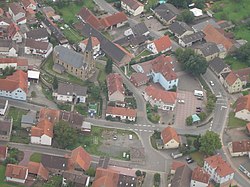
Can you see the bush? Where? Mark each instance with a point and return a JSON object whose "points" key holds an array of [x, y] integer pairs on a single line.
{"points": [[157, 179], [202, 116], [33, 94], [189, 120]]}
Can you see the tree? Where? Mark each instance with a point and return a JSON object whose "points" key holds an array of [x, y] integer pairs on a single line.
{"points": [[210, 142], [197, 142], [138, 173], [8, 70], [202, 116], [242, 54], [33, 94], [189, 120], [187, 16], [55, 83], [108, 67], [157, 179], [91, 172], [65, 136], [180, 3], [94, 92]]}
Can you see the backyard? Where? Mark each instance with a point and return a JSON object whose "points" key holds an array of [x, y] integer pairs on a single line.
{"points": [[235, 122]]}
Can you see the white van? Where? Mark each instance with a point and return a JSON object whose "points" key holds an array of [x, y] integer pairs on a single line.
{"points": [[198, 93]]}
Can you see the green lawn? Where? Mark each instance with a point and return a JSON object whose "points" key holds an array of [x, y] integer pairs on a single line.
{"points": [[81, 109], [235, 122], [2, 178], [102, 74], [36, 157], [66, 107], [198, 157], [69, 12], [242, 32], [151, 3], [234, 63], [142, 54], [72, 35], [16, 114]]}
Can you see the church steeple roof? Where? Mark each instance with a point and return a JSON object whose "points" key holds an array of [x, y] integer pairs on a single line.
{"points": [[89, 45]]}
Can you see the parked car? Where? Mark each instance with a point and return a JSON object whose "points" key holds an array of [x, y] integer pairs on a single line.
{"points": [[211, 83], [190, 161], [200, 98], [115, 137], [181, 101], [188, 158], [198, 108], [150, 17]]}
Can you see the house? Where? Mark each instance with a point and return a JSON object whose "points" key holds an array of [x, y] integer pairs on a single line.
{"points": [[196, 12], [180, 29], [29, 4], [16, 173], [74, 119], [15, 86], [176, 164], [95, 45], [209, 51], [86, 127], [51, 115], [234, 81], [166, 13], [76, 64], [80, 159], [239, 148], [14, 33], [164, 100], [162, 45], [28, 120], [68, 92], [5, 129], [201, 25], [39, 48], [42, 133], [189, 40], [119, 55], [137, 30], [39, 34], [219, 67], [133, 7], [3, 107], [86, 16], [121, 113], [8, 48], [76, 178], [17, 13], [242, 110], [170, 138], [225, 25], [116, 20], [55, 164], [248, 128], [139, 79], [33, 76], [218, 169], [17, 63], [3, 152], [215, 35], [5, 22], [38, 170], [199, 178], [116, 91], [182, 177]]}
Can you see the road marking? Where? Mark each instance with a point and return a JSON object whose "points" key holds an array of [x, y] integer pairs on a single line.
{"points": [[144, 125], [150, 131], [153, 125], [130, 129], [140, 130], [145, 130], [139, 125], [135, 124], [149, 125], [136, 129]]}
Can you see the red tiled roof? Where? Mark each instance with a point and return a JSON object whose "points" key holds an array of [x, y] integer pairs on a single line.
{"points": [[50, 114], [26, 3], [16, 171], [105, 178], [161, 95], [114, 19], [241, 146], [243, 103], [176, 164], [162, 43], [214, 35], [16, 8], [121, 111], [38, 169], [231, 78], [222, 167], [124, 50], [200, 175], [244, 74], [19, 79], [138, 78], [81, 157], [90, 18], [168, 134], [42, 127], [18, 61], [3, 152], [115, 83], [12, 30], [94, 40], [248, 127], [133, 4]]}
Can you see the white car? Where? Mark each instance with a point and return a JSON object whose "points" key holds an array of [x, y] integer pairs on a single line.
{"points": [[211, 83], [181, 101], [149, 17]]}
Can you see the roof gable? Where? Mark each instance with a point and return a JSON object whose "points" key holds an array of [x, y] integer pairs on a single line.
{"points": [[243, 103], [169, 134], [133, 4], [162, 43], [81, 157], [115, 83]]}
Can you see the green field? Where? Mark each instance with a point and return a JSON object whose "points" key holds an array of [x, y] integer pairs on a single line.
{"points": [[72, 35], [36, 157], [234, 63]]}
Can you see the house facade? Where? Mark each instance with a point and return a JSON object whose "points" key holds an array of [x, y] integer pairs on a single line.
{"points": [[242, 110], [133, 7], [219, 170], [17, 63], [239, 148], [116, 91], [29, 4], [8, 48], [121, 113], [180, 29], [42, 133], [17, 13], [13, 33], [33, 47], [170, 138], [199, 178]]}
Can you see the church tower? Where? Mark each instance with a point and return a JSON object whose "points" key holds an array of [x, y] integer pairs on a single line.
{"points": [[88, 56]]}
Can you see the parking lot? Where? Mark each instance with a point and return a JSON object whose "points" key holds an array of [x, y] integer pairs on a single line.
{"points": [[183, 110]]}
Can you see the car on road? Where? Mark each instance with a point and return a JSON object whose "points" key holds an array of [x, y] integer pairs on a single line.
{"points": [[198, 108], [181, 101], [150, 17], [114, 137], [200, 98], [211, 83], [188, 158], [190, 161]]}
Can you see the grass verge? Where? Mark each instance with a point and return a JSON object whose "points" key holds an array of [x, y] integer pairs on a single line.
{"points": [[36, 157], [235, 122]]}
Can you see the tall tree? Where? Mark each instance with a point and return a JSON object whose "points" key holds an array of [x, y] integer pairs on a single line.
{"points": [[55, 83], [65, 136], [108, 67], [210, 142], [187, 16]]}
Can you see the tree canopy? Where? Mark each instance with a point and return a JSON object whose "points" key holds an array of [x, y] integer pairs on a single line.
{"points": [[210, 142], [108, 67], [243, 54], [193, 63], [55, 83], [187, 16], [65, 136]]}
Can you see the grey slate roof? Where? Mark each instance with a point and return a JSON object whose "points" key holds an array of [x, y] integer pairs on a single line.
{"points": [[37, 33], [218, 65], [179, 28], [166, 11], [193, 37], [200, 26], [70, 89], [29, 118], [208, 49], [55, 162], [70, 57], [139, 29], [5, 43], [182, 177]]}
